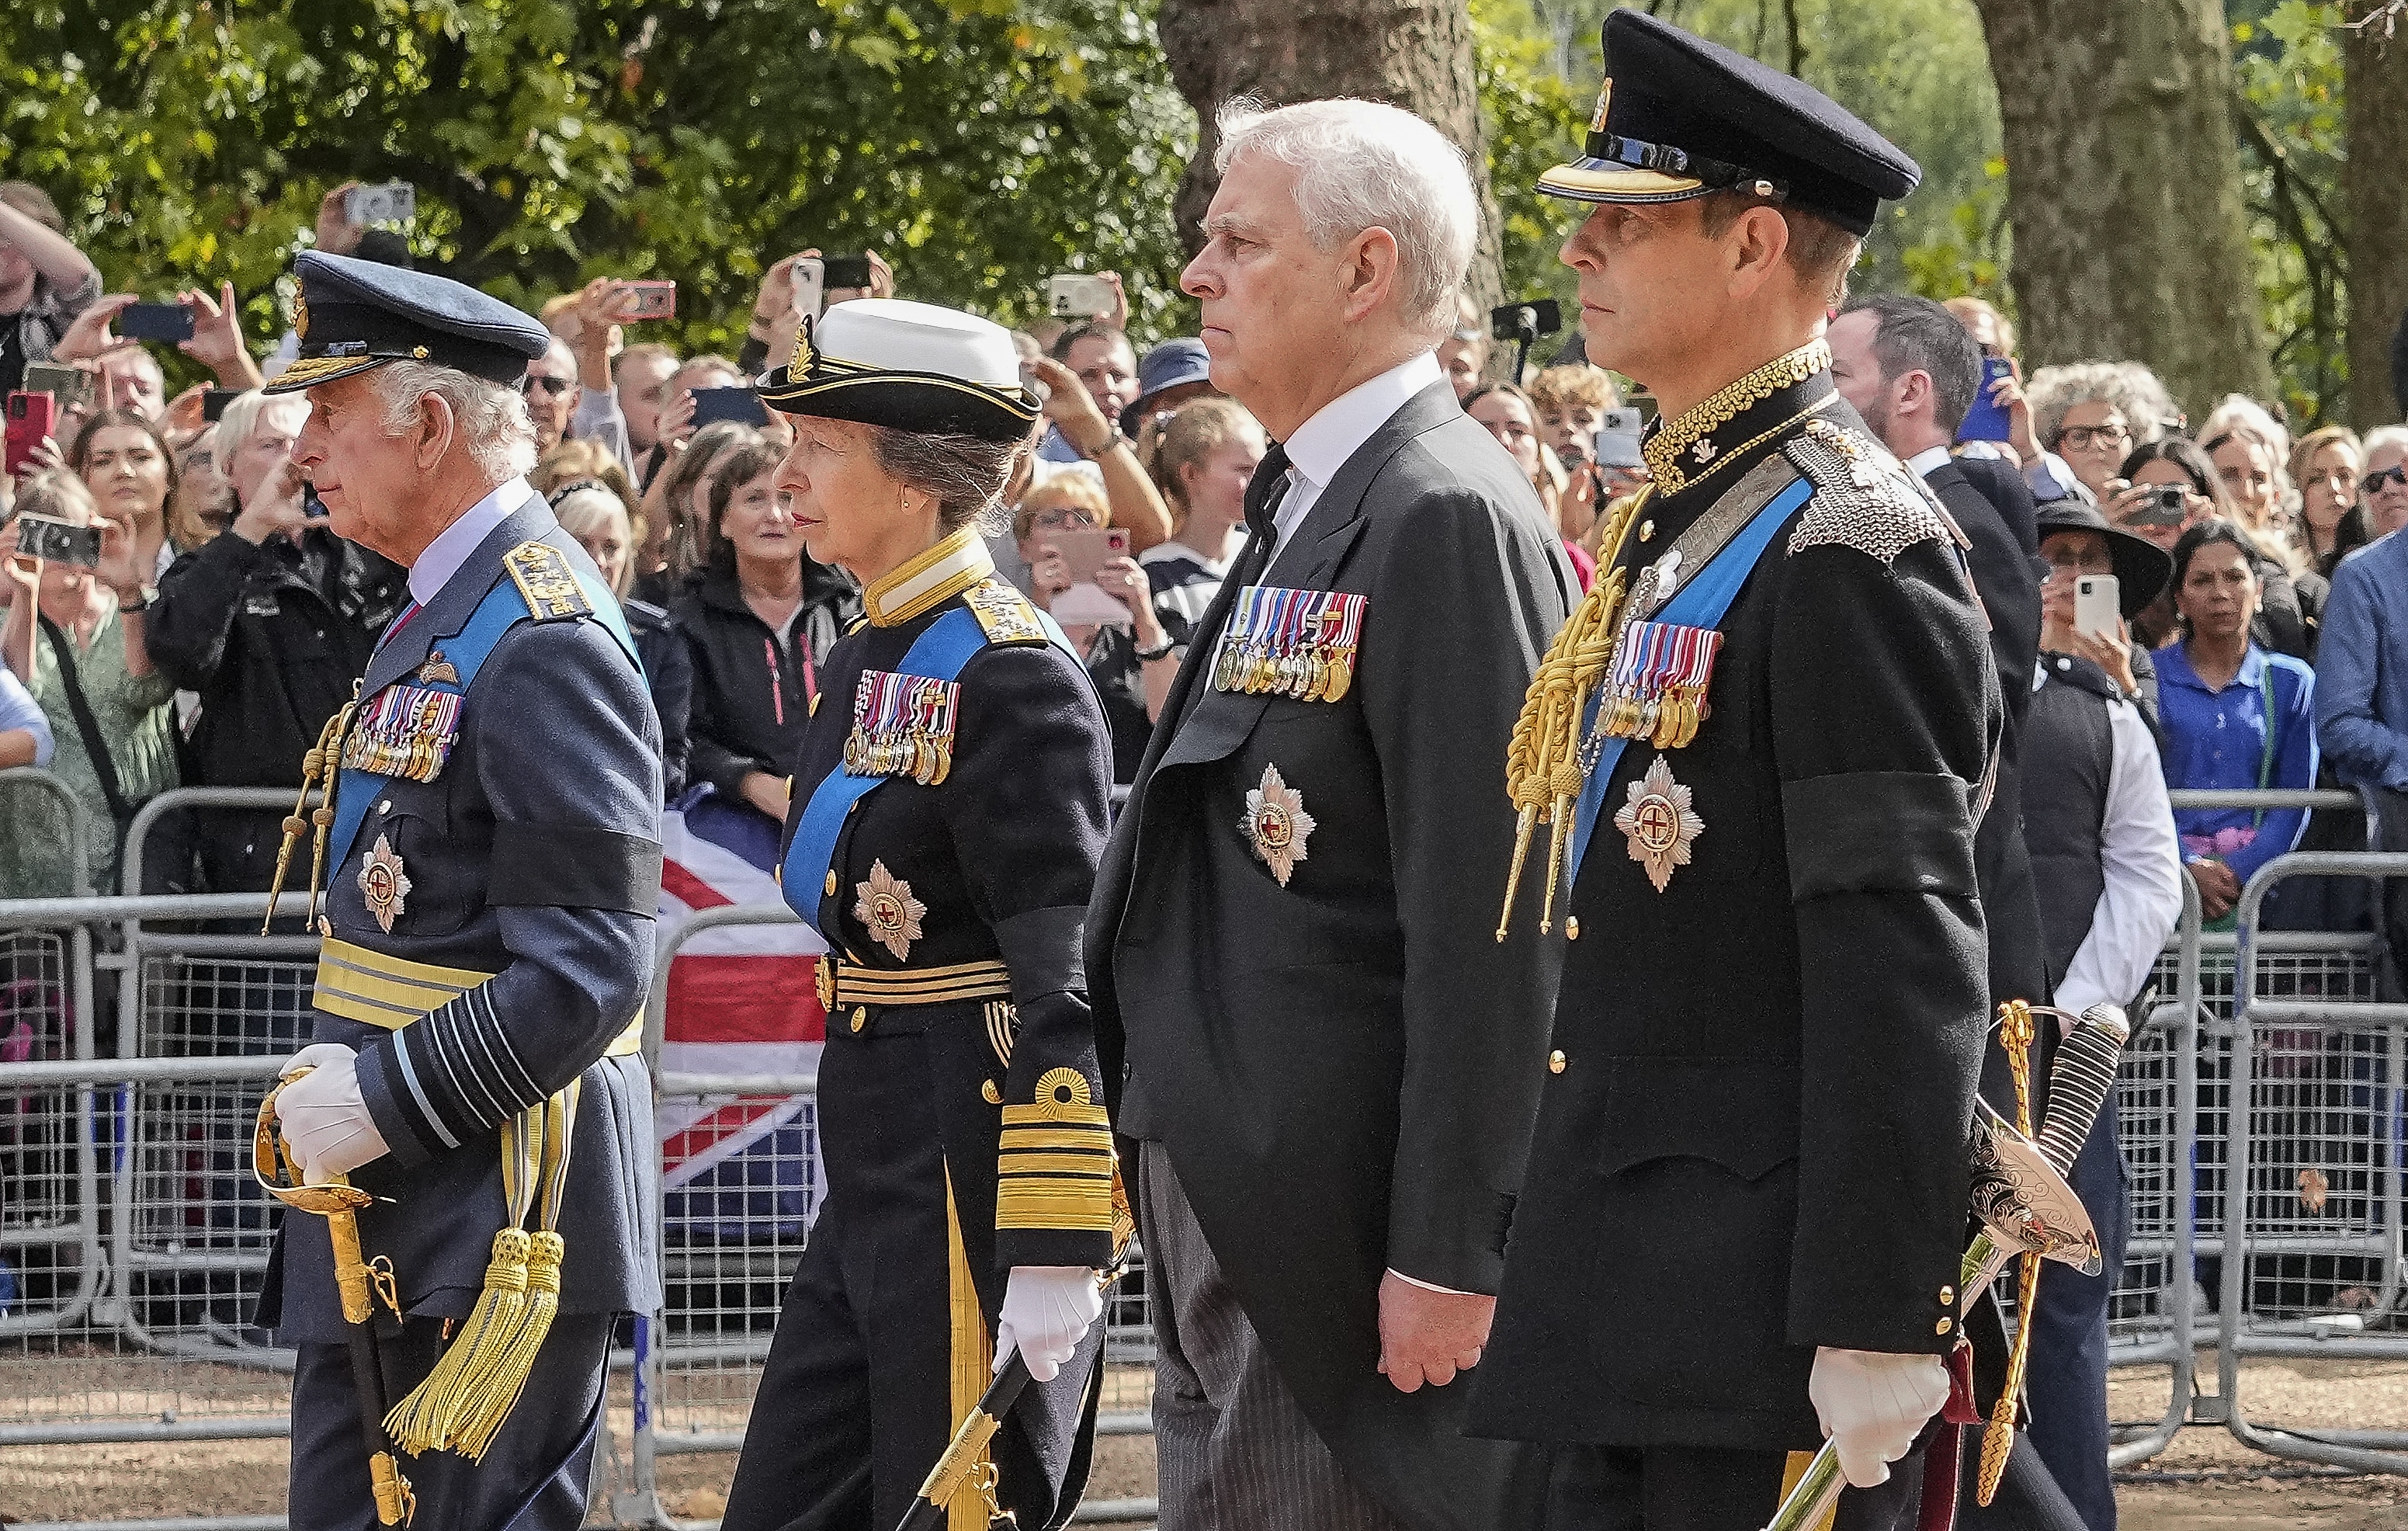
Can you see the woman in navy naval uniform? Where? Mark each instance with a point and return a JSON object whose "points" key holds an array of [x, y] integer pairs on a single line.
{"points": [[949, 807]]}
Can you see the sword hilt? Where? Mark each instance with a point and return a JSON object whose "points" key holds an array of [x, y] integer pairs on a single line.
{"points": [[2078, 1082]]}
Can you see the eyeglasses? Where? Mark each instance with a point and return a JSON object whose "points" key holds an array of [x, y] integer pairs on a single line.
{"points": [[1061, 520], [2376, 482], [553, 386], [2084, 437]]}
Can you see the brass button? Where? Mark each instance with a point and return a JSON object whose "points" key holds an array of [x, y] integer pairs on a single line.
{"points": [[1556, 1062], [1947, 1295], [1646, 529], [1943, 1326], [1571, 927], [385, 806], [830, 884], [989, 1093], [860, 1017]]}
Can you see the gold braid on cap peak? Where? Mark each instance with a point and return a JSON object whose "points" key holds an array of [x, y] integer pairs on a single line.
{"points": [[1543, 766]]}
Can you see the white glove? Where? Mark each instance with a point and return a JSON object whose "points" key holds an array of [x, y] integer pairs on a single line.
{"points": [[1872, 1405], [1047, 1310], [322, 1117]]}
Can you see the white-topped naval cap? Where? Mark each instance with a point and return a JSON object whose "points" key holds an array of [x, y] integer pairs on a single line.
{"points": [[896, 335]]}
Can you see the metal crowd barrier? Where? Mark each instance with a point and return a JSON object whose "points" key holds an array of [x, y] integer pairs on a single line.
{"points": [[131, 1246]]}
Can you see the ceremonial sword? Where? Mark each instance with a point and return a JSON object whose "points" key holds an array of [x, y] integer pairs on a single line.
{"points": [[2021, 1196]]}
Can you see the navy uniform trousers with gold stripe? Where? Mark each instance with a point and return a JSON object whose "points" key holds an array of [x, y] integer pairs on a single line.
{"points": [[489, 941], [960, 1109]]}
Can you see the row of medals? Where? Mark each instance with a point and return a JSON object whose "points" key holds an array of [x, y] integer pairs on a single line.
{"points": [[1318, 673], [924, 758], [1667, 720]]}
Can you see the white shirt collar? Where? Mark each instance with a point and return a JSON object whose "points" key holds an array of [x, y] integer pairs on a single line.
{"points": [[451, 546], [1320, 445], [1922, 462]]}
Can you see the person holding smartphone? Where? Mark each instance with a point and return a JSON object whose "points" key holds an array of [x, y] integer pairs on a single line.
{"points": [[45, 281], [1132, 662]]}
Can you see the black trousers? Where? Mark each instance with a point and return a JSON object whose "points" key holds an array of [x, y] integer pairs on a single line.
{"points": [[1697, 1488], [535, 1476]]}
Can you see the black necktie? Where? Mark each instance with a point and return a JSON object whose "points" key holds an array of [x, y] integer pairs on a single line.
{"points": [[1268, 487]]}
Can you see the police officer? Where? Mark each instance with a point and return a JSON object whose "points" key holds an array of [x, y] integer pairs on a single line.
{"points": [[492, 866], [1763, 740], [949, 806]]}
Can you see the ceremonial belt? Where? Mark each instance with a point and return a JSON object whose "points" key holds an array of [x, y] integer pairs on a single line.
{"points": [[376, 989], [1701, 600], [842, 983]]}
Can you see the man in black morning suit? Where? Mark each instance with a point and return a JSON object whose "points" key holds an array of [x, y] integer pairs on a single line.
{"points": [[1330, 1059], [1746, 1196]]}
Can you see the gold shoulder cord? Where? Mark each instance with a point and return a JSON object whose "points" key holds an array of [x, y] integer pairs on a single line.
{"points": [[2015, 1035], [1542, 772], [322, 760]]}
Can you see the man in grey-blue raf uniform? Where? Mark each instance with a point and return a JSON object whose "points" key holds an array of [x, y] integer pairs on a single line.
{"points": [[490, 864]]}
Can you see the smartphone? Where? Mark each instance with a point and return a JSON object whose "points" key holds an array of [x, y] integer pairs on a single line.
{"points": [[648, 300], [1617, 439], [1542, 316], [739, 403], [810, 285], [2097, 602], [57, 541], [155, 321], [847, 271], [1086, 551], [395, 202], [31, 417], [213, 403], [70, 385], [1070, 295], [1987, 421]]}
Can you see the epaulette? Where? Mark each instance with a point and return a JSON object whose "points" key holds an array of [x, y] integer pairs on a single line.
{"points": [[546, 583], [1008, 616], [1862, 498]]}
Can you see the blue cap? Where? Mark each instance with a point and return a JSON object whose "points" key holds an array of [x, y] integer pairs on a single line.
{"points": [[353, 315], [1680, 117], [1173, 364]]}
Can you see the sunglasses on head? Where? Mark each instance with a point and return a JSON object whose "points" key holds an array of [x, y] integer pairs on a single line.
{"points": [[2382, 477]]}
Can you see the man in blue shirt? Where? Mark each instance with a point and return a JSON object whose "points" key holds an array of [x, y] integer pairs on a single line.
{"points": [[2362, 693]]}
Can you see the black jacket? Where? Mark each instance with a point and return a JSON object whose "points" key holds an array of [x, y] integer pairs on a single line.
{"points": [[752, 693], [271, 637], [668, 671]]}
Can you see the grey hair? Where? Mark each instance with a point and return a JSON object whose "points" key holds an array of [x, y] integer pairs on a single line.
{"points": [[2130, 387], [491, 418], [964, 474], [2384, 435], [241, 417], [1364, 165]]}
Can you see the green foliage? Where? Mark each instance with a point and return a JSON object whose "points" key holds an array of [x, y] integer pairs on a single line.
{"points": [[2287, 60], [979, 145], [1531, 121]]}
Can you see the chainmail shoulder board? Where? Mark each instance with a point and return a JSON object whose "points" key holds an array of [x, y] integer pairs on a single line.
{"points": [[1862, 497]]}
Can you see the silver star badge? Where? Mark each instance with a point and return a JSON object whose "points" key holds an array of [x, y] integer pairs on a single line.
{"points": [[1276, 825], [1659, 823]]}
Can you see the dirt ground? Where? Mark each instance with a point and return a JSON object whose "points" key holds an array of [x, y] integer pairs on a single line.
{"points": [[2203, 1480]]}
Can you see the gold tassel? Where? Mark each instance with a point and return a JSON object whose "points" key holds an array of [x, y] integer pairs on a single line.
{"points": [[1999, 1438], [1542, 771], [490, 1400], [430, 1419]]}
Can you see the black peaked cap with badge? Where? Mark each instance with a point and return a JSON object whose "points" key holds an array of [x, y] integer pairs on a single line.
{"points": [[353, 315], [1679, 116]]}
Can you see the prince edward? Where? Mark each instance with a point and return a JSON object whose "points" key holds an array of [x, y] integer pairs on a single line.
{"points": [[1751, 767]]}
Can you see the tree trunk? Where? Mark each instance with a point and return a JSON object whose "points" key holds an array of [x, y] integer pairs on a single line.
{"points": [[2376, 186], [1411, 53], [2132, 238]]}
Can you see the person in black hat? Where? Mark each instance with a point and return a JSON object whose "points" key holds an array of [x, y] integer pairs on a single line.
{"points": [[950, 799], [489, 857], [1749, 773], [2108, 869]]}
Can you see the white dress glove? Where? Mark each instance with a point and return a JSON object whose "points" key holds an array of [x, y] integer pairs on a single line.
{"points": [[1047, 1310], [1872, 1405], [321, 1116]]}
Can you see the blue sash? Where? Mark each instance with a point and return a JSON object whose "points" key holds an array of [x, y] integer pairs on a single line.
{"points": [[502, 609], [937, 654], [1700, 603]]}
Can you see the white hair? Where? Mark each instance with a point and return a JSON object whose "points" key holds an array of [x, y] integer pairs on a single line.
{"points": [[2241, 415], [241, 417], [1363, 165], [2384, 435], [491, 418]]}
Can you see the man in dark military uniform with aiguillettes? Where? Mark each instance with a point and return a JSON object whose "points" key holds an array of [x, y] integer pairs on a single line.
{"points": [[491, 862], [1751, 771]]}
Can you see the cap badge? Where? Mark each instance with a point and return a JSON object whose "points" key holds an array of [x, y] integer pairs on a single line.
{"points": [[798, 361], [1604, 97], [884, 904], [301, 316], [1659, 823], [383, 884], [1276, 825]]}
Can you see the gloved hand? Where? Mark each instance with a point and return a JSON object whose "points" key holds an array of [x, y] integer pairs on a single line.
{"points": [[1046, 1312], [322, 1117], [1872, 1405]]}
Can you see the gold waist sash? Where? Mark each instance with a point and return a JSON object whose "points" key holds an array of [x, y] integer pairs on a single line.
{"points": [[842, 983], [376, 989]]}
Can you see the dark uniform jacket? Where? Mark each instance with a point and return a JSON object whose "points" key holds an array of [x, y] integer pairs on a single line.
{"points": [[532, 855], [1754, 1140], [752, 693], [271, 638], [1342, 1068], [668, 671]]}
